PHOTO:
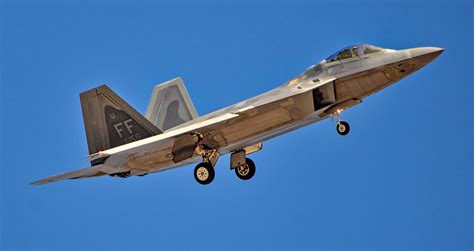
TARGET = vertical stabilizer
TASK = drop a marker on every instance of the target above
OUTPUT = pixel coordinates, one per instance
(110, 122)
(170, 105)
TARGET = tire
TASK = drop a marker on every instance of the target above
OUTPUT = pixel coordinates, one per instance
(204, 173)
(343, 128)
(247, 171)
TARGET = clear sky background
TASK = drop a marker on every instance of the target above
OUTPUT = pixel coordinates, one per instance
(401, 179)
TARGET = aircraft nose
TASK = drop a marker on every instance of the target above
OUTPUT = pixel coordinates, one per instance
(425, 55)
(426, 51)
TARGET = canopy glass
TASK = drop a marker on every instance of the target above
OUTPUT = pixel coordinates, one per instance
(353, 51)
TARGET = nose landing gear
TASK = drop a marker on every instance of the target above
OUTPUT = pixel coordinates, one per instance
(342, 127)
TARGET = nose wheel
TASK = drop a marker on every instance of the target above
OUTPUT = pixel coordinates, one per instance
(342, 128)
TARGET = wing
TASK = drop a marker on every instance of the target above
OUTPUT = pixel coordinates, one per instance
(81, 173)
(118, 158)
(161, 141)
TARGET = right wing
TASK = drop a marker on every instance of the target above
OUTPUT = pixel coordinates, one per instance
(81, 173)
(111, 166)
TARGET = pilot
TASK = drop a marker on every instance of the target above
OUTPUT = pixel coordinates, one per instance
(345, 54)
(355, 52)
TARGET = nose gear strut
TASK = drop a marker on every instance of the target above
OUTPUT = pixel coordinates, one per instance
(342, 127)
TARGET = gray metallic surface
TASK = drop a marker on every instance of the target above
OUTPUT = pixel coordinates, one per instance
(109, 121)
(170, 105)
(337, 83)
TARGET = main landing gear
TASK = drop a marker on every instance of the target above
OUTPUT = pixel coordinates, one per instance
(243, 166)
(204, 172)
(246, 171)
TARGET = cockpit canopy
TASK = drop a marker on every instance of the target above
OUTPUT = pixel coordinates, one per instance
(352, 51)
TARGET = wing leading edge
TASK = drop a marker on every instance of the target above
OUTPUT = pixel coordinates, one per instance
(154, 142)
(77, 174)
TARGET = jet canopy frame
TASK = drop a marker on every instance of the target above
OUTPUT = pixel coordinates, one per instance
(352, 51)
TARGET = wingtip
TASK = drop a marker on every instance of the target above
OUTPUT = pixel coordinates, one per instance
(38, 182)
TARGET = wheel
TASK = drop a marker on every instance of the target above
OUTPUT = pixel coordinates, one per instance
(247, 171)
(343, 128)
(204, 173)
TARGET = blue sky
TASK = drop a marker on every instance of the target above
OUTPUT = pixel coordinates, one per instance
(402, 178)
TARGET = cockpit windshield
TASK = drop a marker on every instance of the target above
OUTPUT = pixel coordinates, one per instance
(353, 51)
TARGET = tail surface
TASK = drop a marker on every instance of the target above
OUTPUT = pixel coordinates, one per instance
(170, 105)
(110, 122)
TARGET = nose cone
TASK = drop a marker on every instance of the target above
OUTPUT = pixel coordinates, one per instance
(425, 55)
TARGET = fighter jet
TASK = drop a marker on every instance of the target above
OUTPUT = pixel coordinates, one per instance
(124, 143)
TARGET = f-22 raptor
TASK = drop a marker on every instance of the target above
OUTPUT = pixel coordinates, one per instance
(124, 143)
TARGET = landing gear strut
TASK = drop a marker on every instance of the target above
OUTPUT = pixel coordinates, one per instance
(204, 171)
(243, 166)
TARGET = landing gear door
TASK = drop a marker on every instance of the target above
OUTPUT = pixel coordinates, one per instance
(324, 96)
